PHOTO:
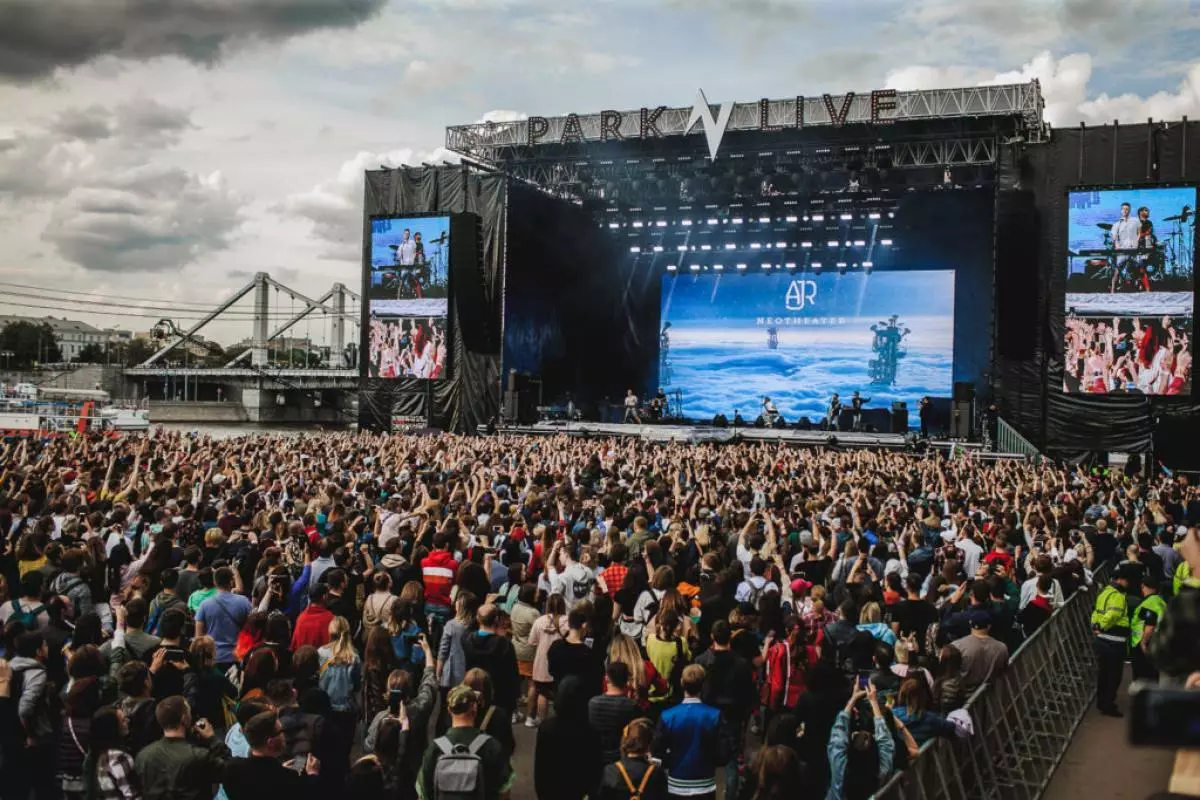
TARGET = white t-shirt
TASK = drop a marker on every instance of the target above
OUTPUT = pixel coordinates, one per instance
(574, 583)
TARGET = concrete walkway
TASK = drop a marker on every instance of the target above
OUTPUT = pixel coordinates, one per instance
(1100, 763)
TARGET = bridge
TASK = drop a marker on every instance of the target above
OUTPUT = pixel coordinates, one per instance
(262, 382)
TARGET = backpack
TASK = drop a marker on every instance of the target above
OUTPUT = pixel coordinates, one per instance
(652, 606)
(756, 592)
(675, 679)
(66, 590)
(458, 774)
(28, 618)
(635, 794)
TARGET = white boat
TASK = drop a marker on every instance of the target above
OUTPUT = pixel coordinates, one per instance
(125, 419)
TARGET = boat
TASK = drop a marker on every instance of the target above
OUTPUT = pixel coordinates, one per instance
(125, 419)
(41, 419)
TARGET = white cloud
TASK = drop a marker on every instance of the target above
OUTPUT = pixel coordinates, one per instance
(502, 115)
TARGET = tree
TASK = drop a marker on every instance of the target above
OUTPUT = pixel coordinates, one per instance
(137, 351)
(30, 343)
(91, 353)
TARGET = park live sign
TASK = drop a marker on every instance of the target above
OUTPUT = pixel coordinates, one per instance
(879, 107)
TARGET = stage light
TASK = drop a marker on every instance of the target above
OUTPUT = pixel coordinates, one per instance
(737, 220)
(859, 243)
(815, 265)
(706, 247)
(731, 246)
(846, 216)
(832, 243)
(755, 245)
(764, 220)
(662, 223)
(791, 219)
(718, 267)
(873, 215)
(841, 265)
(614, 224)
(891, 215)
(781, 245)
(886, 242)
(818, 217)
(712, 221)
(685, 222)
(868, 264)
(671, 267)
(741, 266)
(767, 245)
(694, 267)
(790, 265)
(806, 244)
(638, 224)
(658, 248)
(766, 266)
(635, 249)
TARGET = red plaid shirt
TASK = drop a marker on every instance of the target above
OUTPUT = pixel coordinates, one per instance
(614, 577)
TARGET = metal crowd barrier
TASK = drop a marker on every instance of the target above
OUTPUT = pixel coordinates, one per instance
(1010, 440)
(1024, 720)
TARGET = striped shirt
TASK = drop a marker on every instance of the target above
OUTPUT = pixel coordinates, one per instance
(437, 573)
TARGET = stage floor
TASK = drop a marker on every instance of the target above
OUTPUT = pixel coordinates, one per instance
(706, 433)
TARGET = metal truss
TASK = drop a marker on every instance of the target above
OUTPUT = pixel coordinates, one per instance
(496, 141)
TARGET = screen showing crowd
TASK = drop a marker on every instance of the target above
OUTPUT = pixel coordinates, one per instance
(1130, 282)
(730, 340)
(407, 347)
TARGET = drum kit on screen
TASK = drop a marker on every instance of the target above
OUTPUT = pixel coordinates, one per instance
(1152, 260)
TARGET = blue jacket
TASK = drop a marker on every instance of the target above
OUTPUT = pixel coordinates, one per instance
(839, 741)
(926, 725)
(693, 740)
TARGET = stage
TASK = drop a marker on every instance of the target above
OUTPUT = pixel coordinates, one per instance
(697, 434)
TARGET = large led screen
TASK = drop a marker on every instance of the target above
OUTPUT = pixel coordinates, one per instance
(731, 339)
(408, 291)
(1130, 285)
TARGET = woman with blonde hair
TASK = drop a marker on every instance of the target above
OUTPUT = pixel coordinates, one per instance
(207, 687)
(642, 674)
(340, 677)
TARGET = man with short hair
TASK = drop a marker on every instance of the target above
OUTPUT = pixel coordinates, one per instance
(174, 768)
(33, 691)
(463, 704)
(262, 775)
(312, 626)
(437, 574)
(609, 713)
(222, 616)
(728, 687)
(136, 702)
(692, 740)
(983, 657)
(129, 642)
(573, 656)
(71, 585)
(169, 597)
(493, 652)
(189, 574)
(29, 606)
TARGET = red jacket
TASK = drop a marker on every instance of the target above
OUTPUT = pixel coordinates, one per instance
(437, 571)
(786, 682)
(312, 627)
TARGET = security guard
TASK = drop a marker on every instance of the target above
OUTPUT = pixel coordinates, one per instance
(1146, 618)
(1110, 628)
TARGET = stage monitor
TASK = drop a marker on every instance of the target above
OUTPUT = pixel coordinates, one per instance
(1130, 290)
(731, 339)
(406, 291)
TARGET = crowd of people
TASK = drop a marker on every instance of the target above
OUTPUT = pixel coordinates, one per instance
(407, 347)
(380, 616)
(1103, 356)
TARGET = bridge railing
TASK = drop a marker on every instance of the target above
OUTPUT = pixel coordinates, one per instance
(1024, 720)
(1010, 440)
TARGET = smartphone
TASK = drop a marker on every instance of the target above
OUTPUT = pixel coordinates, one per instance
(395, 697)
(863, 681)
(1164, 716)
(176, 654)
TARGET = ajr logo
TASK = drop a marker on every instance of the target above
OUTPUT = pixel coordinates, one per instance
(800, 294)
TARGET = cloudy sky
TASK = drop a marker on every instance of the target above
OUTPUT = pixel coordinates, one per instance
(169, 149)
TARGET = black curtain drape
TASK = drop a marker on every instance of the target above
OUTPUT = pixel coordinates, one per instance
(470, 395)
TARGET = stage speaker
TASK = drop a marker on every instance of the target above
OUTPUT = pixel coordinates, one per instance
(960, 420)
(779, 423)
(804, 424)
(760, 421)
(375, 416)
(720, 421)
(1018, 236)
(964, 392)
(899, 418)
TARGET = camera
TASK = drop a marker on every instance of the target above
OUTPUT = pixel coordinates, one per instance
(1164, 716)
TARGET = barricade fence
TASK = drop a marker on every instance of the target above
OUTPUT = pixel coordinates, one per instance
(1024, 719)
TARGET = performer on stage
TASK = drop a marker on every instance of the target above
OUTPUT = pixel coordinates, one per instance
(631, 404)
(769, 411)
(659, 404)
(925, 411)
(835, 411)
(856, 407)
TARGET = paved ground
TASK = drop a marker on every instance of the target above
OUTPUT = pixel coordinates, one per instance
(1101, 763)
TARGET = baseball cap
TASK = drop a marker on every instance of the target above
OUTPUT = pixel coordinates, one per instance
(1181, 531)
(461, 699)
(979, 619)
(799, 585)
(806, 538)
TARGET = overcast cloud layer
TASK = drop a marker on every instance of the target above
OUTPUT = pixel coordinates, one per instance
(172, 148)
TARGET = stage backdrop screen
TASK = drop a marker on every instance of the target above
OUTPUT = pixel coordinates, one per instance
(730, 339)
(1130, 289)
(407, 287)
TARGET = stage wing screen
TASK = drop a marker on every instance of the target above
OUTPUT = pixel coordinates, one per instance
(408, 291)
(1130, 288)
(731, 339)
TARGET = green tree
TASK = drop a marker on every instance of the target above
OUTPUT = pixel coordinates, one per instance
(92, 353)
(136, 351)
(29, 343)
